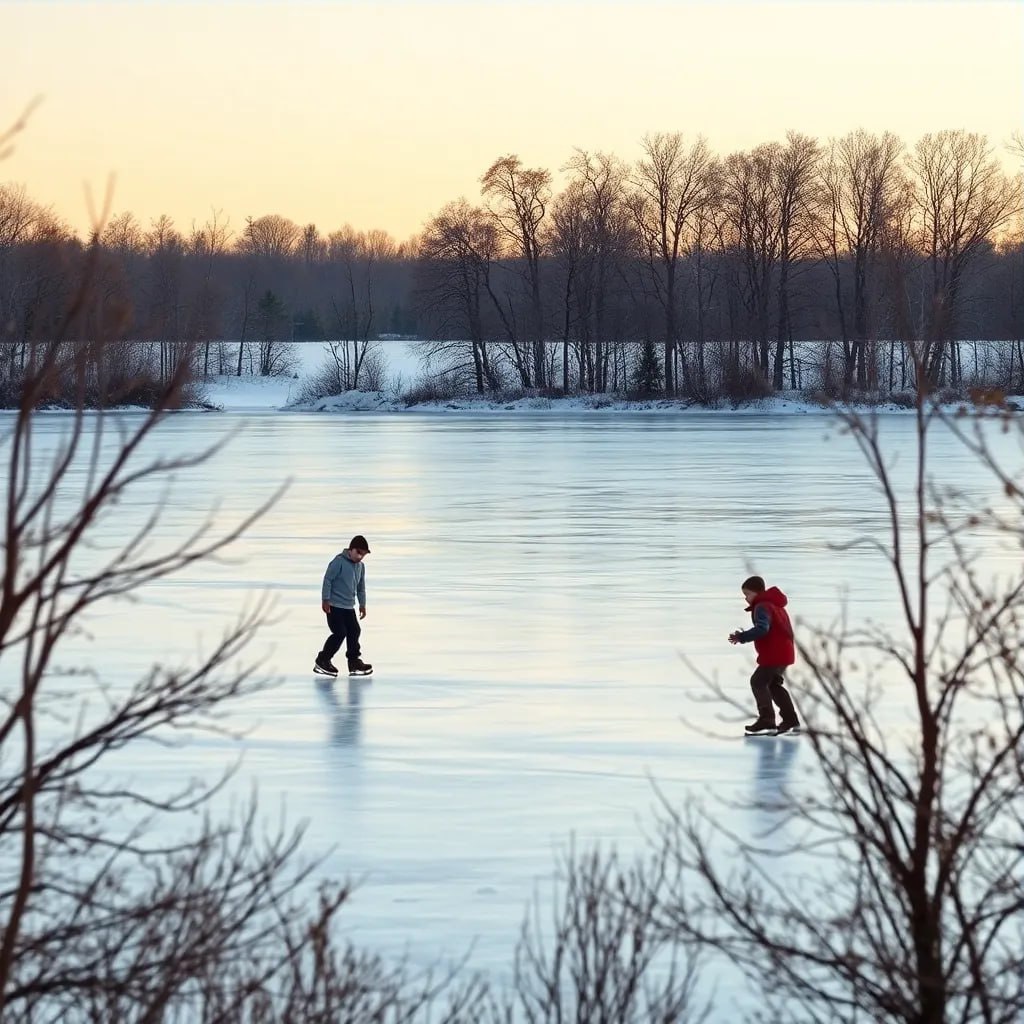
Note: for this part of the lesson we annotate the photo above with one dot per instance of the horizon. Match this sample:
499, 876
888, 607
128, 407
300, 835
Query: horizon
272, 113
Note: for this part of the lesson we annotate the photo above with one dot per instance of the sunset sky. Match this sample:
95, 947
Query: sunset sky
376, 113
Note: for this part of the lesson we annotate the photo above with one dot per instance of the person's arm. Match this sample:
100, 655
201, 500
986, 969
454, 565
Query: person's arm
325, 591
361, 592
762, 624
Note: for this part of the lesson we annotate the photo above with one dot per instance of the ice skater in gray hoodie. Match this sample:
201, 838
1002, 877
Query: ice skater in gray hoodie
344, 584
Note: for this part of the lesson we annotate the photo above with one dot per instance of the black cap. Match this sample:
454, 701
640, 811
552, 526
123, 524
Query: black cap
359, 541
754, 583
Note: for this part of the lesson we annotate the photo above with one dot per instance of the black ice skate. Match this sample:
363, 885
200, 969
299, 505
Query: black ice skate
762, 727
324, 666
788, 728
359, 668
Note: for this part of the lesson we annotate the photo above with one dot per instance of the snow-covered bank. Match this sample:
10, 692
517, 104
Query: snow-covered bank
378, 401
277, 394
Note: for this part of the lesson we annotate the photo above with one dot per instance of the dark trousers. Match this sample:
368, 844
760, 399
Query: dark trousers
344, 626
768, 683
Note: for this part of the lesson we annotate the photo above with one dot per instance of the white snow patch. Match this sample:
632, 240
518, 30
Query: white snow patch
351, 401
249, 394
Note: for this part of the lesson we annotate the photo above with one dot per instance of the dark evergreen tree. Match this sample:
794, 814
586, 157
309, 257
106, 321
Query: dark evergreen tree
647, 375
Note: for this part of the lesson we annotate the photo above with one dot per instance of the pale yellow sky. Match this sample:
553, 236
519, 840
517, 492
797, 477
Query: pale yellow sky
377, 113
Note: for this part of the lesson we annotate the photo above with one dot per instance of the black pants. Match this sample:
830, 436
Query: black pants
768, 683
344, 626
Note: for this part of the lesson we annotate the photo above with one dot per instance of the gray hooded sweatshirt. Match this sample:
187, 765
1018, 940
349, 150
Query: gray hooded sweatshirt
344, 581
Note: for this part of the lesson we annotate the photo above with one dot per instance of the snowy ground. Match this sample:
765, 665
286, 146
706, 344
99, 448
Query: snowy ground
249, 394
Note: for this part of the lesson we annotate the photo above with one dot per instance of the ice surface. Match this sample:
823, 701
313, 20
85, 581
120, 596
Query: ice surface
532, 583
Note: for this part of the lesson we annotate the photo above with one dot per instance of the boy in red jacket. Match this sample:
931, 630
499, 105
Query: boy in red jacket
772, 634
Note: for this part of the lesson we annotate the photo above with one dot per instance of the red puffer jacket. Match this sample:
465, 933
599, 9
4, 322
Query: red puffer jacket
776, 646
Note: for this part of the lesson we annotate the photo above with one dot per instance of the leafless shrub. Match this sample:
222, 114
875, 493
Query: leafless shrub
743, 383
323, 382
903, 399
341, 371
437, 388
95, 375
515, 394
478, 366
602, 959
894, 889
276, 358
831, 372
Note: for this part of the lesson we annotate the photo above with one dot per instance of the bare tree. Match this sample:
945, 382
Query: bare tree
571, 253
456, 251
795, 173
860, 183
207, 245
165, 247
312, 248
673, 187
358, 364
271, 236
606, 240
894, 889
520, 198
452, 369
19, 216
768, 203
749, 204
706, 267
34, 282
355, 259
963, 199
898, 261
115, 279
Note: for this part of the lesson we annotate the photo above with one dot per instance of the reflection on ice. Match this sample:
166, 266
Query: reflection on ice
774, 760
344, 717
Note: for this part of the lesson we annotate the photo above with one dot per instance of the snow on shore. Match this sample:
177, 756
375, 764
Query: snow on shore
251, 394
277, 394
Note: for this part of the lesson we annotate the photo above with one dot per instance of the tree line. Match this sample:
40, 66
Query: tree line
854, 240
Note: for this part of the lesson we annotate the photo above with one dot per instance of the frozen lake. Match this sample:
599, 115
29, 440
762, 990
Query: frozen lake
532, 581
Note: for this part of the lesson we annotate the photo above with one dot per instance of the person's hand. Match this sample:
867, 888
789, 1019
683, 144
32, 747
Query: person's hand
362, 611
326, 606
734, 637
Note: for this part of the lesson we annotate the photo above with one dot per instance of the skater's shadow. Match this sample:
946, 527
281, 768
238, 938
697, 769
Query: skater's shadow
345, 718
